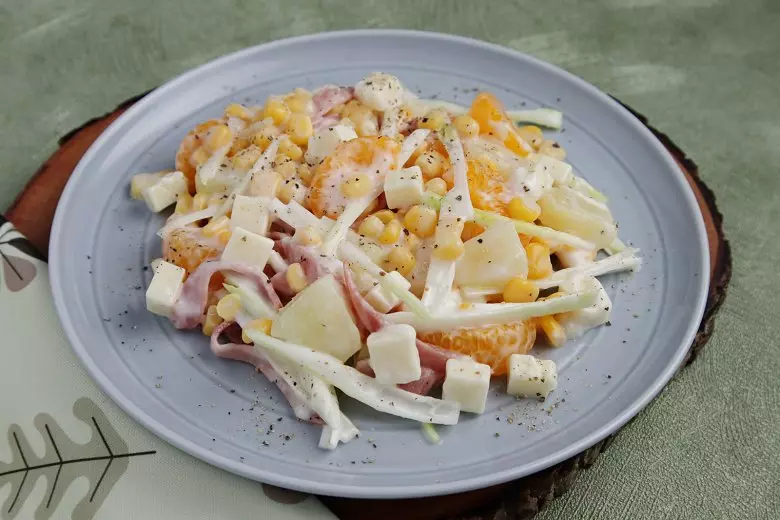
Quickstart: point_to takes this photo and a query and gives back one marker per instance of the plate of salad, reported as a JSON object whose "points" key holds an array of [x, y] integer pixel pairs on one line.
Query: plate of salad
{"points": [[379, 264]]}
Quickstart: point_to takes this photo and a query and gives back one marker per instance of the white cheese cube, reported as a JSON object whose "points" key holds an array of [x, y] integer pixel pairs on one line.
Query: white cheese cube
{"points": [[319, 317], [141, 181], [403, 188], [467, 382], [251, 213], [532, 377], [383, 299], [165, 288], [380, 91], [245, 247], [325, 141], [164, 192], [393, 354]]}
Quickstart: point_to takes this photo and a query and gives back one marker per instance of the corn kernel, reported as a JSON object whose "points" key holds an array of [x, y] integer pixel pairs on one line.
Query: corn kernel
{"points": [[553, 330], [434, 119], [245, 159], [217, 137], [371, 226], [228, 307], [223, 236], [298, 101], [284, 166], [199, 201], [211, 320], [215, 225], [263, 137], [305, 174], [199, 156], [276, 110], [391, 233], [296, 278], [431, 164], [239, 111], [300, 128], [539, 264], [239, 143], [448, 247], [437, 185], [356, 186], [466, 126], [291, 189], [183, 203], [532, 135], [350, 108], [385, 215], [519, 211], [552, 149], [365, 123], [520, 290], [401, 259], [286, 192], [257, 325], [421, 220], [307, 236], [290, 149]]}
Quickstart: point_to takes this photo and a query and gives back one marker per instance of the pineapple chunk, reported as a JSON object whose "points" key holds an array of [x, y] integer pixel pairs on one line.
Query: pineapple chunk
{"points": [[568, 210], [492, 258], [318, 317]]}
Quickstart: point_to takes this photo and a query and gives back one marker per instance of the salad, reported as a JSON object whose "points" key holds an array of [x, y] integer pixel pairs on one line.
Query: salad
{"points": [[362, 239]]}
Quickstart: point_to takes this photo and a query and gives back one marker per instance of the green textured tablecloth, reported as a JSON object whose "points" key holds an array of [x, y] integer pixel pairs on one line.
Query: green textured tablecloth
{"points": [[704, 71]]}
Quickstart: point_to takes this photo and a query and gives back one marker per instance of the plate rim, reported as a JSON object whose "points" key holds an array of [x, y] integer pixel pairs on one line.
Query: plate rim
{"points": [[400, 491]]}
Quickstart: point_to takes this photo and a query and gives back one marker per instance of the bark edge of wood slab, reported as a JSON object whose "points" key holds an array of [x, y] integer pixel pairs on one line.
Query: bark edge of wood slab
{"points": [[32, 213]]}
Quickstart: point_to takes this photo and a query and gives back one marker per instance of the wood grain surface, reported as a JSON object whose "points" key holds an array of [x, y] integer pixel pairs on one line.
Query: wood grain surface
{"points": [[33, 211]]}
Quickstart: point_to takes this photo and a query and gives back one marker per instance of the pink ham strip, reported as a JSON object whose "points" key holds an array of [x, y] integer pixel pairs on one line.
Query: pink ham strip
{"points": [[188, 309], [313, 268], [247, 354], [280, 285], [326, 99], [431, 356], [429, 378]]}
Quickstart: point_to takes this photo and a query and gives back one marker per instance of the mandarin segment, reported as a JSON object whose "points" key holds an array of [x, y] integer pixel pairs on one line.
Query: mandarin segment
{"points": [[360, 155], [490, 344], [188, 248], [487, 187], [489, 113]]}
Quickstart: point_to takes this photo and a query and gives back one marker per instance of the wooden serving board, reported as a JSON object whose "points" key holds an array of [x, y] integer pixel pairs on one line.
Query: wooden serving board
{"points": [[33, 212]]}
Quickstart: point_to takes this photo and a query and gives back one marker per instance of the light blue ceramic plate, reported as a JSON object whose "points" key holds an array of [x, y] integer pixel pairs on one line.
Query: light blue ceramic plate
{"points": [[226, 414]]}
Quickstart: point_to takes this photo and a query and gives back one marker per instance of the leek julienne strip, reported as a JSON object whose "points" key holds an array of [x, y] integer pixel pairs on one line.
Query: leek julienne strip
{"points": [[623, 261], [383, 398], [496, 313]]}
